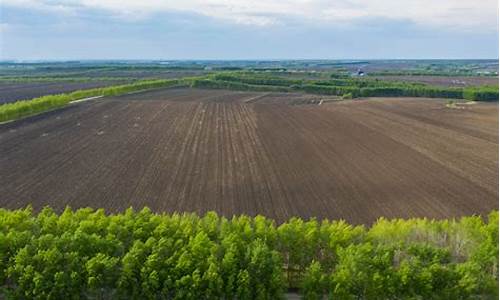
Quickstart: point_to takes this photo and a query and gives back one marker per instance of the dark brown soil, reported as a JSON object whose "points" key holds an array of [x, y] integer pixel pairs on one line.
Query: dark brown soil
{"points": [[11, 92], [197, 150]]}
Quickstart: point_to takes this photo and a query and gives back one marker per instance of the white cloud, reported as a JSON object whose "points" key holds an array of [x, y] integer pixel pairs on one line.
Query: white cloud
{"points": [[458, 14]]}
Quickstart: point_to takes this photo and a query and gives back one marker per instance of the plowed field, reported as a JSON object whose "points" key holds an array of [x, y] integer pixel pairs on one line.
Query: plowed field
{"points": [[12, 92], [249, 153]]}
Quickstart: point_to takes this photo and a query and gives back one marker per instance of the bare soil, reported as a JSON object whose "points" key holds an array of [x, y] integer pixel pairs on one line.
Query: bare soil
{"points": [[11, 92], [193, 150]]}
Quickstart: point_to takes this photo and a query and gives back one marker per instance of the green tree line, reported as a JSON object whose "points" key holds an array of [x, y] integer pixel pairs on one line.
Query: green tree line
{"points": [[485, 93], [257, 80], [88, 254], [235, 85], [354, 86]]}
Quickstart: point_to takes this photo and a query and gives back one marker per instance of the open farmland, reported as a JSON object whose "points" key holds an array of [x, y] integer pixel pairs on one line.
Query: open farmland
{"points": [[251, 153], [15, 91], [447, 81]]}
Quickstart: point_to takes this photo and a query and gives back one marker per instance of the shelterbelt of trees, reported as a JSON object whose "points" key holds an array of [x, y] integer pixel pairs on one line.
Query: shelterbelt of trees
{"points": [[87, 254], [350, 87]]}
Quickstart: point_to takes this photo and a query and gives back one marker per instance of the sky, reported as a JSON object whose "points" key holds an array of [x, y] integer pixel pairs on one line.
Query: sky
{"points": [[243, 29]]}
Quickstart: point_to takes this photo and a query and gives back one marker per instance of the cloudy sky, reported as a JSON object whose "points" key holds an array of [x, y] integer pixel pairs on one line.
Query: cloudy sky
{"points": [[242, 29]]}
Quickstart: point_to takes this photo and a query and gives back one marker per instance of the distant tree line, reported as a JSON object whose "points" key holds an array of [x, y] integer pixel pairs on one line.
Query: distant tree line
{"points": [[234, 85], [390, 91], [340, 86], [486, 93], [87, 254], [257, 80]]}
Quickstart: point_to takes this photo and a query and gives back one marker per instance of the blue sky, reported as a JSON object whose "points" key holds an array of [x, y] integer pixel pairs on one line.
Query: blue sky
{"points": [[235, 29]]}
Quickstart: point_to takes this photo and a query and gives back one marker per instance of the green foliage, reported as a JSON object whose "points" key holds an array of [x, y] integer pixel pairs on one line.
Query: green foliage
{"points": [[485, 93], [340, 74], [372, 266], [340, 86], [412, 91], [19, 109], [229, 85], [330, 89], [138, 254], [314, 283], [254, 79]]}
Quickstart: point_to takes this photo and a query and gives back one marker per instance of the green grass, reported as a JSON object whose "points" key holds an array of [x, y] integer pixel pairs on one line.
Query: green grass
{"points": [[132, 255]]}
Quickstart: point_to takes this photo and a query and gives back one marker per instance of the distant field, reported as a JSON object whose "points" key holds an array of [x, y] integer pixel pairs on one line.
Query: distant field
{"points": [[449, 81], [280, 155], [11, 92]]}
